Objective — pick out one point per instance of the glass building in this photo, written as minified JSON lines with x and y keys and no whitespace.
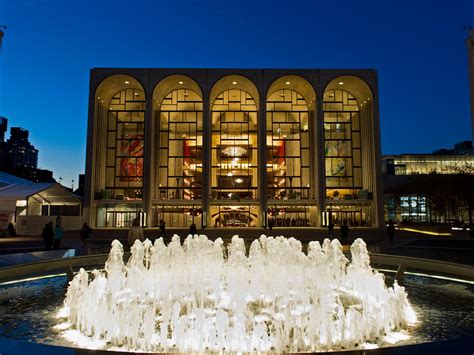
{"x":233,"y":148}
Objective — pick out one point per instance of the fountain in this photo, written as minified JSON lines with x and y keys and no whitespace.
{"x":201,"y":296}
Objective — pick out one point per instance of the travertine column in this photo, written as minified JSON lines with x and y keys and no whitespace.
{"x":262,"y":158}
{"x":318,"y":158}
{"x":206,"y":159}
{"x":148,"y":160}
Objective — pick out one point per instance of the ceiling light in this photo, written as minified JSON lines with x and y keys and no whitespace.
{"x":287,"y":83}
{"x":127,"y":82}
{"x":180,"y":83}
{"x":341,"y":83}
{"x":239,"y":180}
{"x":229,"y":174}
{"x":136,"y":94}
{"x":234,"y":83}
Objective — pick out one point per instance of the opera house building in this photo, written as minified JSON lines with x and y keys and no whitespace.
{"x":233,"y":148}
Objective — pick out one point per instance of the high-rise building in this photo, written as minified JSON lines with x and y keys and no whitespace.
{"x":3,"y":144}
{"x":233,"y":148}
{"x":22,"y":154}
{"x":470,"y":53}
{"x":3,"y":127}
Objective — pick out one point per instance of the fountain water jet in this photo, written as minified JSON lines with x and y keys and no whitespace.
{"x":199,"y":296}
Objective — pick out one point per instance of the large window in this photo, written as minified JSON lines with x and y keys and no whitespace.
{"x":342,"y":142}
{"x":180,"y":153}
{"x":234,"y":146}
{"x":125,"y":132}
{"x":287,"y":146}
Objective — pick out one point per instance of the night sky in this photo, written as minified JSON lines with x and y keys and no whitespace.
{"x":417,"y":47}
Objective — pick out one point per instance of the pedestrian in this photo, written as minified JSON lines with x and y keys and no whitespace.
{"x":270,"y":224}
{"x":135,"y":232}
{"x":344,"y":232}
{"x":391,"y":230}
{"x":48,"y":235}
{"x":162,"y":229}
{"x":85,"y":234}
{"x":11,"y":232}
{"x":192,"y":229}
{"x":331,"y":229}
{"x":58,"y":233}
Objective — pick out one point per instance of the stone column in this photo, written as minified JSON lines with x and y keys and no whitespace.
{"x":262,"y":158}
{"x":206,"y":159}
{"x":148,"y":160}
{"x":318,"y":159}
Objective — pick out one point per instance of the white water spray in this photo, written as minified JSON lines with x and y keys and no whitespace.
{"x":200,"y":296}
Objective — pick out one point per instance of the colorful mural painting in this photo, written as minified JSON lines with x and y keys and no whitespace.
{"x":131,"y":166}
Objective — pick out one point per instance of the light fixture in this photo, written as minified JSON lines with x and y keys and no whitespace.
{"x":239,"y":180}
{"x":229,"y":174}
{"x":234,"y":83}
{"x":127,"y":82}
{"x":234,"y":151}
{"x":341,"y":83}
{"x":287,"y":83}
{"x":180,"y":83}
{"x":136,"y":94}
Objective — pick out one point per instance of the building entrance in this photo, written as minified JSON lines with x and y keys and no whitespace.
{"x":234,"y":216}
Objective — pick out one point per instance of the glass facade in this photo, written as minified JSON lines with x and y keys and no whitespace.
{"x":288,"y":161}
{"x":125,"y":134}
{"x":342,"y":145}
{"x":234,"y":147}
{"x":230,"y":154}
{"x":180,"y":153}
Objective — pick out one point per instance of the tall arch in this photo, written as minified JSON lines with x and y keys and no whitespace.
{"x":289,"y":112}
{"x":119,"y":149}
{"x":234,"y":152}
{"x":178,"y":117}
{"x":349,"y":154}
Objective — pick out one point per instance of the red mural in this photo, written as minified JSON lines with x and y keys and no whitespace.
{"x":131,"y":167}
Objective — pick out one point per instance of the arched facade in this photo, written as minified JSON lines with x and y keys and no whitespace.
{"x":233,"y":148}
{"x":118,"y":150}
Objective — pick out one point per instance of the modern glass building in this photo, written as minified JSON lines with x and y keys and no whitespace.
{"x":233,"y":148}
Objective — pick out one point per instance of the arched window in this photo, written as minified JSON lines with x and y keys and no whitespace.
{"x":125,"y":134}
{"x":288,"y":162}
{"x":180,"y":153}
{"x":234,"y":146}
{"x":342,"y":145}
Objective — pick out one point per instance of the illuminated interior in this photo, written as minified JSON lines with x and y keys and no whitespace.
{"x":213,"y":163}
{"x":234,"y":157}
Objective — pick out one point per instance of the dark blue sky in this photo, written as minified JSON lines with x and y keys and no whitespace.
{"x":416,"y":46}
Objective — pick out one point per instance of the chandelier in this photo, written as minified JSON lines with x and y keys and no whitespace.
{"x":234,"y":151}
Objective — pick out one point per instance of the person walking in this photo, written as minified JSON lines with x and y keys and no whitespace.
{"x":11,"y":232}
{"x":270,"y":224}
{"x":390,"y":230}
{"x":135,"y":232}
{"x":58,"y":233}
{"x":331,"y":229}
{"x":344,"y":232}
{"x":162,"y":229}
{"x":48,"y":235}
{"x":192,"y":229}
{"x":85,"y":234}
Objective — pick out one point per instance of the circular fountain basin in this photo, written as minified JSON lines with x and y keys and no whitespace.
{"x":444,"y":307}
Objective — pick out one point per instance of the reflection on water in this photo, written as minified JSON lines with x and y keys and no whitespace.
{"x":445,"y":309}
